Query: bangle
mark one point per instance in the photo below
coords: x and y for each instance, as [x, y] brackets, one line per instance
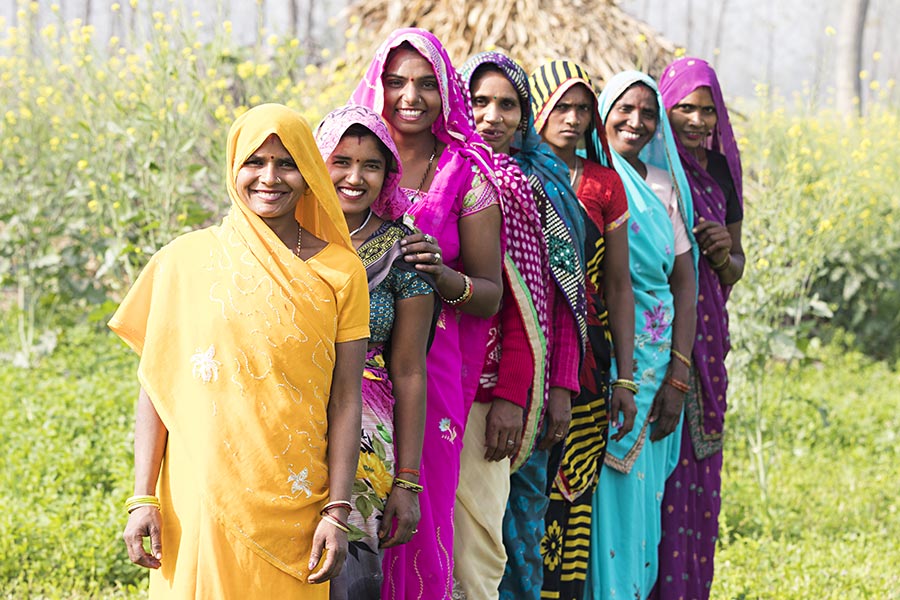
[678, 384]
[337, 523]
[408, 485]
[337, 504]
[466, 293]
[722, 265]
[414, 472]
[626, 384]
[136, 502]
[684, 359]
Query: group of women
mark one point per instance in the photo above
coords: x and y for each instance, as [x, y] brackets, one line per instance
[443, 346]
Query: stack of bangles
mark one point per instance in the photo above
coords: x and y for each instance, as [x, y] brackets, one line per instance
[136, 502]
[466, 293]
[678, 384]
[334, 520]
[681, 357]
[626, 384]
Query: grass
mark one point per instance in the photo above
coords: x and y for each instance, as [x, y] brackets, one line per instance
[824, 524]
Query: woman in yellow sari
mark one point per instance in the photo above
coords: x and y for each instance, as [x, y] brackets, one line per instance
[252, 336]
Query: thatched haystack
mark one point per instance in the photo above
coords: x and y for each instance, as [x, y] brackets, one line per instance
[598, 34]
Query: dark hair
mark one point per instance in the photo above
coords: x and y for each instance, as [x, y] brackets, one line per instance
[358, 130]
[406, 45]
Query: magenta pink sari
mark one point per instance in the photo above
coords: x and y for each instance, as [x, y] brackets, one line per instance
[423, 568]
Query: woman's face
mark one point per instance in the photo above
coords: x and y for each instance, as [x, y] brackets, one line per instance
[357, 170]
[569, 120]
[269, 182]
[694, 118]
[497, 110]
[632, 121]
[412, 98]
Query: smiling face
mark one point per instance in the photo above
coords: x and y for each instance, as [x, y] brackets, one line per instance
[357, 168]
[497, 109]
[694, 118]
[412, 98]
[269, 182]
[569, 120]
[632, 121]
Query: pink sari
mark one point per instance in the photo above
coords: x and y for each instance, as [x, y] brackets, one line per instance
[462, 185]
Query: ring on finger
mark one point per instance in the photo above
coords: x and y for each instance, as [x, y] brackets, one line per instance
[510, 442]
[558, 434]
[437, 257]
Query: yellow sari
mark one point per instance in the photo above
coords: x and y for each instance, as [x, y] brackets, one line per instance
[237, 342]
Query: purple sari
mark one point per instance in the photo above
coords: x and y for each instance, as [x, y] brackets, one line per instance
[692, 502]
[423, 567]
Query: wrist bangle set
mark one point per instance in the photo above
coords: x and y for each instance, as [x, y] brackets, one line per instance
[466, 293]
[677, 384]
[336, 504]
[337, 523]
[136, 502]
[626, 384]
[413, 472]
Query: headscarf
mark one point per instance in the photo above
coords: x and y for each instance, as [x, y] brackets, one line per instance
[679, 80]
[550, 83]
[391, 203]
[684, 76]
[455, 126]
[319, 211]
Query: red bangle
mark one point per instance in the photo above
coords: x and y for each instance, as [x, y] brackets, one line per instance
[410, 471]
[678, 385]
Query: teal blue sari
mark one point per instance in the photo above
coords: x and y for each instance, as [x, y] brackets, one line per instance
[627, 528]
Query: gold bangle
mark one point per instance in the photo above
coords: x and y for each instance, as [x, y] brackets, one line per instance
[342, 526]
[681, 357]
[466, 293]
[722, 265]
[408, 485]
[626, 384]
[135, 502]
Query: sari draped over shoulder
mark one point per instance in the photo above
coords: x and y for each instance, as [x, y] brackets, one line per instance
[626, 530]
[237, 337]
[463, 183]
[692, 503]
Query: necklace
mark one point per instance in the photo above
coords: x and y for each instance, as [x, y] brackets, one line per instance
[364, 223]
[574, 175]
[299, 235]
[427, 170]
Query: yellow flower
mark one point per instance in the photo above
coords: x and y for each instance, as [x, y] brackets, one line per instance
[679, 52]
[82, 164]
[93, 205]
[372, 469]
[115, 7]
[226, 25]
[876, 56]
[830, 31]
[863, 74]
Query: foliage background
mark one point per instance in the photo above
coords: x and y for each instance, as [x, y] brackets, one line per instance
[109, 152]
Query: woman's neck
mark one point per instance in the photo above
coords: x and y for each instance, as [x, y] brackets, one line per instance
[699, 153]
[638, 166]
[413, 146]
[567, 155]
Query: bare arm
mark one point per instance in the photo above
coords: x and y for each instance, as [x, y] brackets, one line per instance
[721, 245]
[150, 437]
[344, 410]
[408, 377]
[669, 401]
[620, 303]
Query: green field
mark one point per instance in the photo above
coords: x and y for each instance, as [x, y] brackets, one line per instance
[99, 168]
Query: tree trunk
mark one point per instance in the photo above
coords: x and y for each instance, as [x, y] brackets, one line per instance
[849, 56]
[294, 18]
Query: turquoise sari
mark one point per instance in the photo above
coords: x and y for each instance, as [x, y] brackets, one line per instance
[627, 503]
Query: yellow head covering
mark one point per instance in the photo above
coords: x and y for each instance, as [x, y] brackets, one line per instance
[318, 211]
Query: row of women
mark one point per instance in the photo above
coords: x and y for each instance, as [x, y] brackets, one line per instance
[512, 289]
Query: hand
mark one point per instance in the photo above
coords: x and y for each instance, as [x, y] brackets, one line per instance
[423, 250]
[503, 433]
[144, 522]
[559, 415]
[622, 401]
[666, 411]
[331, 539]
[403, 507]
[714, 240]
